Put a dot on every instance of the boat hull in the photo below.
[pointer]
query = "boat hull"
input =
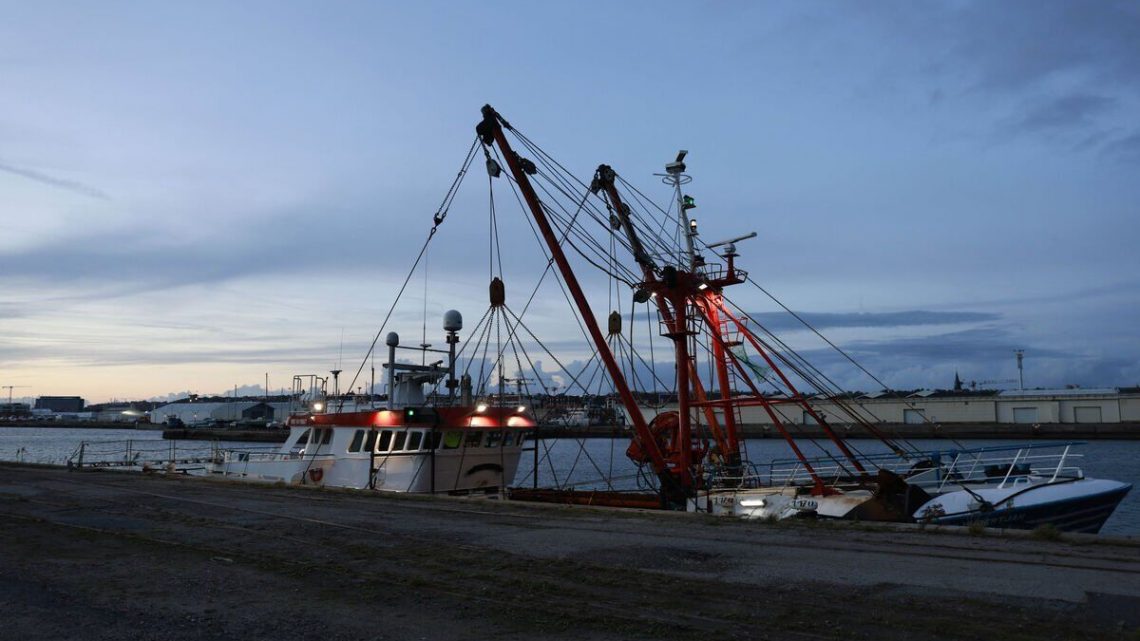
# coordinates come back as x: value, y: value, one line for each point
x: 464, y: 451
x: 403, y: 473
x: 1079, y: 506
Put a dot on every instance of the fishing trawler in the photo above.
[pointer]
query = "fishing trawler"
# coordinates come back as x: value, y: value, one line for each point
x: 409, y: 445
x: 690, y: 455
x: 695, y: 451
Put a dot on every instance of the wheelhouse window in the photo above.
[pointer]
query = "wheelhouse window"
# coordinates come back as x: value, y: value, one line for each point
x: 494, y: 439
x: 401, y: 438
x: 300, y: 442
x: 327, y: 436
x: 414, y: 440
x: 385, y: 441
x: 452, y: 439
x: 435, y: 438
x: 474, y: 438
x: 508, y: 438
x: 357, y: 441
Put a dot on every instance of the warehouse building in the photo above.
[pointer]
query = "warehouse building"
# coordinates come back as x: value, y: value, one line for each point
x: 60, y: 404
x: 230, y: 411
x: 1012, y: 407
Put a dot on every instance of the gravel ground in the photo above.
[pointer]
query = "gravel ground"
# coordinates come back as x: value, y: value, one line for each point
x: 87, y: 555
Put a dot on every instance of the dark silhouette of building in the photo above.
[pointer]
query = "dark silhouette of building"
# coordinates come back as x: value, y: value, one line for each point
x: 60, y: 404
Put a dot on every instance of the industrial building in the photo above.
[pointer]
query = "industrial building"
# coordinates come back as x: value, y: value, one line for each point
x: 1107, y: 412
x: 222, y: 411
x: 1013, y: 407
x: 60, y: 404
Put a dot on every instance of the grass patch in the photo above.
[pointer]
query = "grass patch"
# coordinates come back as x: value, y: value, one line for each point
x: 1046, y: 532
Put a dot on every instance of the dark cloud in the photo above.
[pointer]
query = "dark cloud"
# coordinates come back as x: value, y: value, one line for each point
x: 317, y: 238
x: 1126, y: 290
x: 142, y: 257
x: 1022, y: 44
x: 73, y: 186
x: 1062, y: 113
x: 966, y: 345
x: 780, y: 321
x: 1126, y: 148
x: 1069, y: 70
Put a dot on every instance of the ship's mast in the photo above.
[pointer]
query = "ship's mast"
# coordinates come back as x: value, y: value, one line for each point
x: 675, y: 176
x: 676, y: 485
x: 688, y: 295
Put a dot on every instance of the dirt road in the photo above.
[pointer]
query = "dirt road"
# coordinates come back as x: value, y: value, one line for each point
x: 114, y: 556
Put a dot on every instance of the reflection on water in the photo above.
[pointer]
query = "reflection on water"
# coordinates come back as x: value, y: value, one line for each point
x: 585, y: 463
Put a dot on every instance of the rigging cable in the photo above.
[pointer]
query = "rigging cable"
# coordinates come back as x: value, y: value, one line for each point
x: 437, y: 220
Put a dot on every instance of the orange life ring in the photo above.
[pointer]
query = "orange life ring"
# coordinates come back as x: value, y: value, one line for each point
x: 316, y: 474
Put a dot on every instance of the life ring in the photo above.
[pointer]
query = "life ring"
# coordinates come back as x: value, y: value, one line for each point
x: 316, y: 474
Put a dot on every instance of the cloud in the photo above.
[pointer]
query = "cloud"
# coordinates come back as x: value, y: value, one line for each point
x: 1023, y: 44
x: 72, y: 186
x: 1059, y: 113
x: 8, y: 310
x: 1067, y: 71
x: 966, y: 345
x: 1125, y: 149
x: 144, y: 257
x: 779, y: 321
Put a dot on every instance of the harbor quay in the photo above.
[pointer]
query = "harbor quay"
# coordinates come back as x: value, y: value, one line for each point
x: 112, y: 555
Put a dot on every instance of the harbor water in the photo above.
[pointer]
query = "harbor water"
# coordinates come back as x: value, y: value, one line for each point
x: 593, y: 463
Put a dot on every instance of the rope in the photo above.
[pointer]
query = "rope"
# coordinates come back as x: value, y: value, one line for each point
x: 388, y: 316
x: 437, y: 220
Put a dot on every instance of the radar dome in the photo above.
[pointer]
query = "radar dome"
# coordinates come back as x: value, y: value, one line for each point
x: 452, y: 320
x: 392, y: 340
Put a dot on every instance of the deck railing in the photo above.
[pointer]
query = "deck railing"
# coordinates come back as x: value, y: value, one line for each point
x: 996, y: 466
x: 142, y: 454
x: 237, y: 461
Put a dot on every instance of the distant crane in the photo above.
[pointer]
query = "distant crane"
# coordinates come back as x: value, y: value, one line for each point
x: 10, y: 388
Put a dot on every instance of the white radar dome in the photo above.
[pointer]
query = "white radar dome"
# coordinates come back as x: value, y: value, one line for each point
x: 452, y: 320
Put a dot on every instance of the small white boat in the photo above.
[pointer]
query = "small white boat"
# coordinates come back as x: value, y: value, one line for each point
x: 1019, y: 487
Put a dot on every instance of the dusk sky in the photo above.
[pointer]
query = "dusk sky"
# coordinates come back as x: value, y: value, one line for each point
x: 197, y: 194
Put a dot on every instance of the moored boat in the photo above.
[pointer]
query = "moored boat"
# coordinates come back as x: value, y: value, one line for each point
x: 723, y: 358
x: 414, y: 444
x: 1015, y: 486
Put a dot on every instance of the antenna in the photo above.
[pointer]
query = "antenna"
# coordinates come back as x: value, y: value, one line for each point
x: 1020, y: 371
x: 675, y: 176
x: 731, y: 241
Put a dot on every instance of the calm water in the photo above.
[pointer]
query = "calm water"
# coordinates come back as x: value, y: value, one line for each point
x: 560, y: 460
